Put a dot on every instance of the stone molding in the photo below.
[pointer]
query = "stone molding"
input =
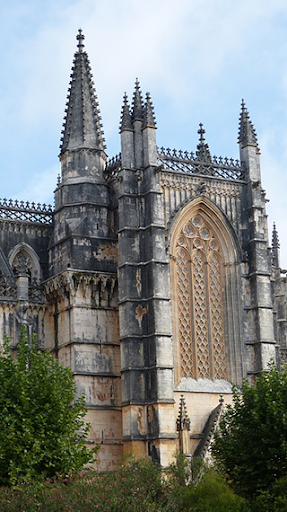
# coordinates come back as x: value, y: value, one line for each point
x: 67, y: 283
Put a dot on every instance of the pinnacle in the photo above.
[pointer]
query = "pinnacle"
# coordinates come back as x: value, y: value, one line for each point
x: 275, y: 238
x: 202, y: 152
x: 247, y: 135
x: 126, y: 119
x: 82, y: 127
x: 183, y: 421
x: 149, y: 115
x: 137, y: 104
x: 275, y: 252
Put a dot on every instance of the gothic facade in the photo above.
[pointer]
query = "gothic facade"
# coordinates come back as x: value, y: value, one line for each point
x: 152, y: 278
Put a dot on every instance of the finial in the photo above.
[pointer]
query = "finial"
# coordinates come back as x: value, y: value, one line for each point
x: 80, y: 38
x: 201, y: 133
x: 202, y: 152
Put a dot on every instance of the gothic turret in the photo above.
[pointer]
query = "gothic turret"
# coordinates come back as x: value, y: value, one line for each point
x: 83, y: 266
x: 82, y: 143
x: 81, y: 197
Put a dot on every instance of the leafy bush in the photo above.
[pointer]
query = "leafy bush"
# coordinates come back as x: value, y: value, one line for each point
x: 42, y: 430
x: 212, y: 494
x: 139, y: 487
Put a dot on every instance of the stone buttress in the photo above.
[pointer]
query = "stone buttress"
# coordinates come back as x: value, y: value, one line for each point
x: 258, y: 301
x: 144, y: 299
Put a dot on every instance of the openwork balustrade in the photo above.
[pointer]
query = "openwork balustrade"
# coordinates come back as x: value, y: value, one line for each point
x: 113, y: 167
x: 190, y: 163
x: 26, y: 211
x: 187, y: 162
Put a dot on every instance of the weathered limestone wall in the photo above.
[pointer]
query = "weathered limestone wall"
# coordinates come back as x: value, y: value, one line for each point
x: 82, y: 320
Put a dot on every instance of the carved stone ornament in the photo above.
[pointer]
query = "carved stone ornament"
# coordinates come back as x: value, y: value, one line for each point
x: 22, y: 263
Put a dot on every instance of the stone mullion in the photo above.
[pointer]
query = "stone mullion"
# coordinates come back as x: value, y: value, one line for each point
x: 209, y: 319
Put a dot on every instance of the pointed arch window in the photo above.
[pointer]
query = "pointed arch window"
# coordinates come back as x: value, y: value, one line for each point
x: 199, y: 300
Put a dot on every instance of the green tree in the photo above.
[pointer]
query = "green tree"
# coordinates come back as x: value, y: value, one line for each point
x: 251, y: 444
x: 212, y: 494
x: 42, y: 428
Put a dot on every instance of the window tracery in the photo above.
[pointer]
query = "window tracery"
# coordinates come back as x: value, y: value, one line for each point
x: 24, y: 260
x: 199, y: 281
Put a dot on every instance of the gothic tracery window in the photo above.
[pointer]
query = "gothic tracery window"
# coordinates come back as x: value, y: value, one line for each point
x: 199, y: 282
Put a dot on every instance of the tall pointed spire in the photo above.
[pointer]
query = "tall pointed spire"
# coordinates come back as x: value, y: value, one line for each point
x: 202, y: 151
x: 247, y: 135
x: 126, y: 119
x: 148, y: 114
x: 137, y: 105
x: 82, y: 127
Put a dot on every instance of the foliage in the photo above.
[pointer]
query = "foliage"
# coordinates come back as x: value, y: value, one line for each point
x: 251, y: 445
x: 273, y: 500
x: 138, y: 486
x: 40, y: 420
x: 212, y: 494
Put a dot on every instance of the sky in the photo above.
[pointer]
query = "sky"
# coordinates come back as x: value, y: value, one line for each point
x: 197, y: 58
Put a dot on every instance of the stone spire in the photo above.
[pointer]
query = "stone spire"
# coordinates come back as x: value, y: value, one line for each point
x: 82, y: 127
x: 202, y: 151
x: 137, y: 105
x: 247, y: 134
x: 275, y: 247
x: 126, y: 118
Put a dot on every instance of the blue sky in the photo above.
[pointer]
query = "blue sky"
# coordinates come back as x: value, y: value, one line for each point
x: 197, y: 58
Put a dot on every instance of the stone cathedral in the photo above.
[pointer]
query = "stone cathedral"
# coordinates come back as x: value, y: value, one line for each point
x: 152, y: 277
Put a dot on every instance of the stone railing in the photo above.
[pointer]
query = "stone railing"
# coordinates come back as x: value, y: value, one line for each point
x: 26, y: 211
x: 189, y: 162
